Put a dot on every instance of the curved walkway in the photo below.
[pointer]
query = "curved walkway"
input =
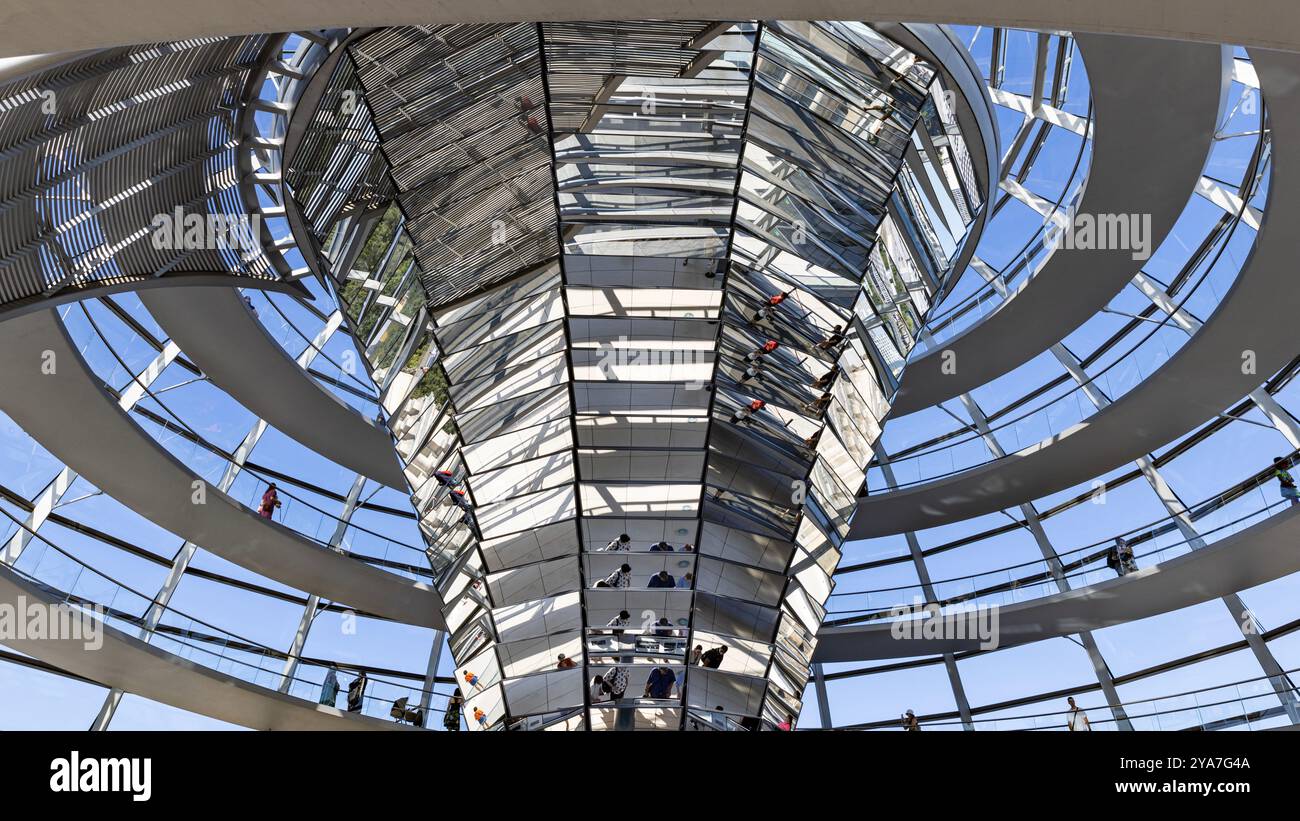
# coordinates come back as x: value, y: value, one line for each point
x: 1153, y: 129
x: 1254, y: 323
x: 175, y: 279
x: 78, y: 421
x: 135, y: 667
x: 1080, y: 566
x: 1260, y: 553
x: 1237, y: 705
x: 218, y: 333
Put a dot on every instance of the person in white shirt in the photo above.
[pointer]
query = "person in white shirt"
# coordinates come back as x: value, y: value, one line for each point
x: 746, y: 411
x: 616, y: 681
x: 620, y: 578
x: 1076, y: 719
x: 623, y: 542
x: 618, y: 622
x: 599, y: 692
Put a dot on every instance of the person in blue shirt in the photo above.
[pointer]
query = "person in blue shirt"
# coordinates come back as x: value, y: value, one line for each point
x: 662, y: 579
x: 661, y: 547
x: 660, y: 683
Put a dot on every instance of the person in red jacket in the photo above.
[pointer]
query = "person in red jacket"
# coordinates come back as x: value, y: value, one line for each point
x: 270, y: 501
x: 762, y: 350
x: 749, y: 410
x: 769, y: 308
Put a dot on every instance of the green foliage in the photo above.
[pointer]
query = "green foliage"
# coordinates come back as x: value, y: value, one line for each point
x: 433, y: 382
x: 373, y: 251
x: 353, y: 293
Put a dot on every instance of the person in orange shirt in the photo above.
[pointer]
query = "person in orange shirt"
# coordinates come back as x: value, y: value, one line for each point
x: 480, y: 717
x: 472, y: 680
x: 769, y: 308
x: 747, y: 411
x: 762, y: 350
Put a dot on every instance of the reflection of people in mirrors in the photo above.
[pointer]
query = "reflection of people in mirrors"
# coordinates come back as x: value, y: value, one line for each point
x: 616, y: 682
x: 616, y: 635
x: 818, y: 406
x: 768, y: 311
x: 762, y: 350
x: 713, y: 658
x: 662, y: 579
x: 910, y: 723
x: 787, y: 725
x: 620, y: 578
x: 565, y: 663
x: 480, y: 717
x: 747, y: 411
x: 1076, y: 719
x: 833, y: 339
x: 685, y: 582
x: 696, y: 654
x: 472, y: 680
x: 451, y: 718
x: 661, y: 683
x: 623, y: 542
